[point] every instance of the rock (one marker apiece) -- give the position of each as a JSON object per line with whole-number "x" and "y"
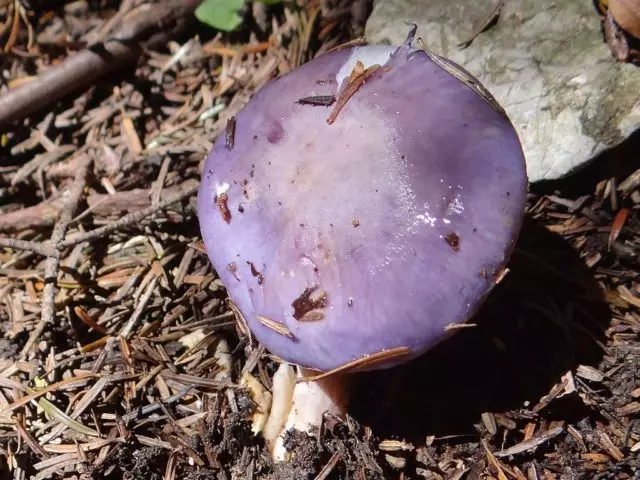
{"x": 545, "y": 61}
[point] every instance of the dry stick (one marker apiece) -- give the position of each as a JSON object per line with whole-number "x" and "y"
{"x": 53, "y": 253}
{"x": 131, "y": 200}
{"x": 36, "y": 247}
{"x": 43, "y": 214}
{"x": 84, "y": 68}
{"x": 131, "y": 323}
{"x": 46, "y": 213}
{"x": 53, "y": 262}
{"x": 77, "y": 71}
{"x": 103, "y": 31}
{"x": 328, "y": 468}
{"x": 129, "y": 219}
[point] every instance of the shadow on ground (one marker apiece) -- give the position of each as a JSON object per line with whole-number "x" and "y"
{"x": 546, "y": 317}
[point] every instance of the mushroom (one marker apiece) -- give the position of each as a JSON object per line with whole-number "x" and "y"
{"x": 356, "y": 208}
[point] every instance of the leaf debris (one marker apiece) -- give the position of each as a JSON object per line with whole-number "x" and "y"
{"x": 275, "y": 326}
{"x": 230, "y": 133}
{"x": 358, "y": 76}
{"x": 319, "y": 100}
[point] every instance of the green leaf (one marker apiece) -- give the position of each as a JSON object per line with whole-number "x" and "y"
{"x": 220, "y": 14}
{"x": 269, "y": 2}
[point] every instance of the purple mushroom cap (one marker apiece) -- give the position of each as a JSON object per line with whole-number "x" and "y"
{"x": 337, "y": 240}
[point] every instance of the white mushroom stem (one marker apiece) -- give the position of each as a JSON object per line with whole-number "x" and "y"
{"x": 302, "y": 406}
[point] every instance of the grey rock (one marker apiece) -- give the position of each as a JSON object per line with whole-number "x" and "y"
{"x": 546, "y": 63}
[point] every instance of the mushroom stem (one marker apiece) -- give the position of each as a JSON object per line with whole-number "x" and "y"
{"x": 301, "y": 405}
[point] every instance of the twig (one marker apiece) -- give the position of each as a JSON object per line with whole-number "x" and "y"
{"x": 42, "y": 215}
{"x": 105, "y": 29}
{"x": 77, "y": 71}
{"x": 146, "y": 410}
{"x": 46, "y": 213}
{"x": 131, "y": 323}
{"x": 53, "y": 262}
{"x": 331, "y": 464}
{"x": 36, "y": 247}
{"x": 125, "y": 45}
{"x": 132, "y": 200}
{"x": 129, "y": 219}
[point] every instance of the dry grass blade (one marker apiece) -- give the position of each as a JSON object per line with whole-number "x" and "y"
{"x": 56, "y": 414}
{"x": 87, "y": 399}
{"x": 148, "y": 409}
{"x": 12, "y": 384}
{"x": 48, "y": 472}
{"x": 494, "y": 462}
{"x": 58, "y": 459}
{"x": 482, "y": 22}
{"x": 191, "y": 380}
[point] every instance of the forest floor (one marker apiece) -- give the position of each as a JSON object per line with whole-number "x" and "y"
{"x": 114, "y": 370}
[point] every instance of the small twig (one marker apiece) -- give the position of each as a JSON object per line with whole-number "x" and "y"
{"x": 129, "y": 219}
{"x": 328, "y": 468}
{"x": 144, "y": 299}
{"x": 42, "y": 215}
{"x": 46, "y": 213}
{"x": 105, "y": 29}
{"x": 130, "y": 201}
{"x": 36, "y": 247}
{"x": 146, "y": 410}
{"x": 35, "y": 446}
{"x": 53, "y": 262}
{"x": 51, "y": 268}
{"x": 78, "y": 70}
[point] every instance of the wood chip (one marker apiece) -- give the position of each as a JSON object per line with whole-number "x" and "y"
{"x": 531, "y": 444}
{"x": 589, "y": 373}
{"x": 277, "y": 327}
